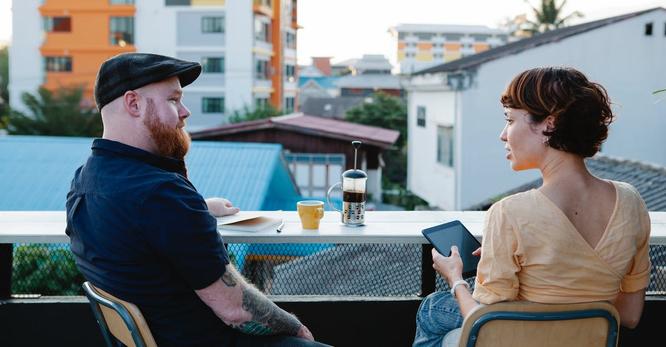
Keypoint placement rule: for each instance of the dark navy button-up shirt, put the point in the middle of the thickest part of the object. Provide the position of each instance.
(141, 231)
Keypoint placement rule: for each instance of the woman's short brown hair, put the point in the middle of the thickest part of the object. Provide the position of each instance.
(581, 108)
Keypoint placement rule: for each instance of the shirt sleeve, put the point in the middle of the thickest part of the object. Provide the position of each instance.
(638, 276)
(496, 274)
(177, 224)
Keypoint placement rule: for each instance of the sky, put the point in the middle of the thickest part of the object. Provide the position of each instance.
(344, 29)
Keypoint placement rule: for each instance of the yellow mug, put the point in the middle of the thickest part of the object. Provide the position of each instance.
(310, 211)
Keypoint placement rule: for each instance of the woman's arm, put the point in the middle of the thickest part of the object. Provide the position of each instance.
(450, 268)
(630, 307)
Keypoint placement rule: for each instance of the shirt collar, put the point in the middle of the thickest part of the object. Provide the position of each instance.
(121, 149)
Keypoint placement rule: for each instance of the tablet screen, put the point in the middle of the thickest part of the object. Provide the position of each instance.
(443, 236)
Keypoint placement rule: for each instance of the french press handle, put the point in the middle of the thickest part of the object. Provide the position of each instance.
(328, 196)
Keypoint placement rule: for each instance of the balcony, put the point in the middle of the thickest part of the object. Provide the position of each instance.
(373, 305)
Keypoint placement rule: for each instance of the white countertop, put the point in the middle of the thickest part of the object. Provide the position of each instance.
(381, 227)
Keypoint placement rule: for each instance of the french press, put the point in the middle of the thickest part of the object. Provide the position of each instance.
(353, 193)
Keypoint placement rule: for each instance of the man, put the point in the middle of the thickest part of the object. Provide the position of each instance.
(140, 230)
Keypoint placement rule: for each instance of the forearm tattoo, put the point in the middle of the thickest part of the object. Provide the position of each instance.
(267, 317)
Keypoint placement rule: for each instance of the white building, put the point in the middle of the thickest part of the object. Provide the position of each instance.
(455, 157)
(247, 48)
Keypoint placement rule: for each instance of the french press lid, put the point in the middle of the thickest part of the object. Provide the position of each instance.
(354, 174)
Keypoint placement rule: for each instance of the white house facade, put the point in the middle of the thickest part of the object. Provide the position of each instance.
(455, 156)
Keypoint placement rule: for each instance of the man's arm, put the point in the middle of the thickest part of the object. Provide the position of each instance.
(245, 308)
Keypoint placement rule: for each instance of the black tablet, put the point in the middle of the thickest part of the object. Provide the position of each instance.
(443, 236)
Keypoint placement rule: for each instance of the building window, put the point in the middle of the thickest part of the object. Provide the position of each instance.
(212, 64)
(262, 70)
(261, 102)
(212, 105)
(121, 2)
(122, 31)
(290, 73)
(421, 116)
(664, 28)
(58, 64)
(57, 24)
(445, 145)
(289, 103)
(648, 29)
(291, 40)
(262, 30)
(212, 24)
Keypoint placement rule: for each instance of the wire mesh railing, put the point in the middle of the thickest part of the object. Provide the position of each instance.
(281, 269)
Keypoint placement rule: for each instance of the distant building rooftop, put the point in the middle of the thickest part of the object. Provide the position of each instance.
(528, 43)
(649, 180)
(331, 107)
(370, 82)
(320, 126)
(447, 29)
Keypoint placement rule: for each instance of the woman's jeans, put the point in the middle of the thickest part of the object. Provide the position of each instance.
(438, 314)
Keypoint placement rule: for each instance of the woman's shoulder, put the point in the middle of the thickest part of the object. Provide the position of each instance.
(516, 202)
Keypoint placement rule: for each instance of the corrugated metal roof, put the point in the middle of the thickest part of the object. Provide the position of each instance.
(525, 44)
(370, 81)
(320, 126)
(36, 171)
(326, 82)
(649, 180)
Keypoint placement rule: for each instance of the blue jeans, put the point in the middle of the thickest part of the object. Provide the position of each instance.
(438, 314)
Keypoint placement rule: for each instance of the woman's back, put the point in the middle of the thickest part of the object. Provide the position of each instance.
(532, 249)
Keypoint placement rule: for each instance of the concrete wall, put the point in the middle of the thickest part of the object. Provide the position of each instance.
(190, 31)
(427, 178)
(26, 67)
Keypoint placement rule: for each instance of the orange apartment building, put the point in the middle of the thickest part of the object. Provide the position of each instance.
(247, 48)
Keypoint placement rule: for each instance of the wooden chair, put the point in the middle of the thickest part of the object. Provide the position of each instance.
(120, 321)
(522, 323)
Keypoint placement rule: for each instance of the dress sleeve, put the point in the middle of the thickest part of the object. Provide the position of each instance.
(178, 226)
(638, 276)
(496, 274)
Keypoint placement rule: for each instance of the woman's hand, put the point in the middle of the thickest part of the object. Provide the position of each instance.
(450, 268)
(220, 207)
(477, 253)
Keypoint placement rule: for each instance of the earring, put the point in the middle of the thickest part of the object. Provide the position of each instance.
(545, 140)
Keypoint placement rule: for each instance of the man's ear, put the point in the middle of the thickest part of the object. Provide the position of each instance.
(131, 103)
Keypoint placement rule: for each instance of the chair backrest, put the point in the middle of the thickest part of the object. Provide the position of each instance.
(522, 323)
(119, 320)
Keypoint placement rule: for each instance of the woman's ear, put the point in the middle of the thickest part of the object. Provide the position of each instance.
(131, 103)
(550, 123)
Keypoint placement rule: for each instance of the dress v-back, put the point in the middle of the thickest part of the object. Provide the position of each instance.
(531, 251)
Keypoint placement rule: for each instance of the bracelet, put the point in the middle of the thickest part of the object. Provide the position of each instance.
(456, 284)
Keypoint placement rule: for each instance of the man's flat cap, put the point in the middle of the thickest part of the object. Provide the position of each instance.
(130, 71)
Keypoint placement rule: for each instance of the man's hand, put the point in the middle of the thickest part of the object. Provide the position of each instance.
(220, 207)
(448, 267)
(305, 333)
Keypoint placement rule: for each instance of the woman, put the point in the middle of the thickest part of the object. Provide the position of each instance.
(577, 238)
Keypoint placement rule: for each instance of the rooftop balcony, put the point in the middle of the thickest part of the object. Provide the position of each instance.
(351, 286)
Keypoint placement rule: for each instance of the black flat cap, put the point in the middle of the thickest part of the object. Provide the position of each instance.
(129, 71)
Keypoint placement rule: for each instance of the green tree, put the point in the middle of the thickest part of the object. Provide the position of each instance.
(389, 112)
(549, 16)
(384, 111)
(248, 114)
(58, 114)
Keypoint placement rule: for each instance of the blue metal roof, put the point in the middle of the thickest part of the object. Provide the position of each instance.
(326, 82)
(36, 171)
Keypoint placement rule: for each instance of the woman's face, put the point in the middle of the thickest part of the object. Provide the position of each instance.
(524, 141)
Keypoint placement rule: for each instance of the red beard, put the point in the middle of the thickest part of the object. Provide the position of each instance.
(170, 142)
